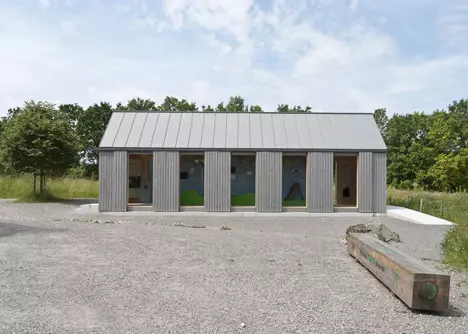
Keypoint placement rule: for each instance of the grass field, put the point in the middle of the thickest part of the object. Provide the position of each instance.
(61, 188)
(453, 207)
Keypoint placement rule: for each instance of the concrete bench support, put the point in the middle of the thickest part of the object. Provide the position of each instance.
(418, 285)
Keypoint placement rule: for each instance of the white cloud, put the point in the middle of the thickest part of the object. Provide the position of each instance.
(326, 55)
(44, 3)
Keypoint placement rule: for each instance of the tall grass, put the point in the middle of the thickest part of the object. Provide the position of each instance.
(21, 188)
(450, 206)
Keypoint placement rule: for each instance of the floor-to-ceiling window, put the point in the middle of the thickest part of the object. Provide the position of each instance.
(294, 180)
(345, 170)
(192, 176)
(242, 180)
(140, 178)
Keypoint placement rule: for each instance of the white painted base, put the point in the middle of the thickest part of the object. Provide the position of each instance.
(415, 216)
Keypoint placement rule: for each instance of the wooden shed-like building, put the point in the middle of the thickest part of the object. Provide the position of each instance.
(222, 162)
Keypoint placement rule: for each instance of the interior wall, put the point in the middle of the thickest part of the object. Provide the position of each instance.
(140, 180)
(346, 180)
(192, 176)
(294, 180)
(243, 180)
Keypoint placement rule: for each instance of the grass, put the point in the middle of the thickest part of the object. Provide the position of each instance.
(191, 198)
(21, 188)
(294, 202)
(449, 206)
(243, 200)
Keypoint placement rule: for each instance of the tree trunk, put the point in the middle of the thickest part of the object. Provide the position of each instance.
(35, 183)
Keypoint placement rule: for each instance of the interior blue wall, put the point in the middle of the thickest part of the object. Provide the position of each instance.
(243, 183)
(195, 179)
(289, 178)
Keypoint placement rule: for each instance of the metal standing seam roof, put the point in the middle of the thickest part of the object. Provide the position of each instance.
(242, 131)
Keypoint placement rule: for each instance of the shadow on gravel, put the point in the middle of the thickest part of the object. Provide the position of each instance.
(453, 312)
(7, 230)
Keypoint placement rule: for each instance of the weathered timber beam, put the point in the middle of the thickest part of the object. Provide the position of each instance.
(418, 285)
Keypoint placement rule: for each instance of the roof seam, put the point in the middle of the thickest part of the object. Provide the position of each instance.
(130, 130)
(141, 134)
(117, 132)
(154, 131)
(190, 131)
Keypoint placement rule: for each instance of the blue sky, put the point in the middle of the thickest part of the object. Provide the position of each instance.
(334, 55)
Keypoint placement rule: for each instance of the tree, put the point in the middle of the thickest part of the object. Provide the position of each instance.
(235, 104)
(296, 109)
(220, 107)
(90, 129)
(207, 108)
(72, 113)
(380, 117)
(138, 104)
(282, 108)
(39, 140)
(174, 104)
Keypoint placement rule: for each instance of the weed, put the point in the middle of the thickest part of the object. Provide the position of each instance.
(225, 228)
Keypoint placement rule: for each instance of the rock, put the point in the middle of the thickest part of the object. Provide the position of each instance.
(242, 325)
(377, 229)
(343, 241)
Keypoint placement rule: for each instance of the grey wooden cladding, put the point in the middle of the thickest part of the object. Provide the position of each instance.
(365, 184)
(268, 181)
(166, 181)
(320, 182)
(217, 181)
(418, 285)
(380, 182)
(113, 181)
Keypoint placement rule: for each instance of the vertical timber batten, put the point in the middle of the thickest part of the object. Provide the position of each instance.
(113, 178)
(268, 181)
(320, 182)
(106, 159)
(217, 181)
(166, 181)
(380, 182)
(365, 182)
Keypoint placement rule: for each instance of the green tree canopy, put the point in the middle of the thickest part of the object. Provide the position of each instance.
(39, 140)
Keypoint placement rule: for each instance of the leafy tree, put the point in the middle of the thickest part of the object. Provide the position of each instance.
(255, 108)
(174, 104)
(450, 171)
(220, 107)
(90, 129)
(236, 104)
(39, 140)
(297, 109)
(138, 104)
(72, 113)
(380, 116)
(207, 108)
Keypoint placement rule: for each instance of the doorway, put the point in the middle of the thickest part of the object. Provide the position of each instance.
(345, 175)
(140, 179)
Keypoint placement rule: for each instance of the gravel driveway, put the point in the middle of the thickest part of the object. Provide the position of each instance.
(145, 275)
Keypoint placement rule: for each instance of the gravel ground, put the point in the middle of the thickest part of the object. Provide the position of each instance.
(145, 275)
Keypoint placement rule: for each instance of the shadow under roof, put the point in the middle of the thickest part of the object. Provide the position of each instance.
(200, 131)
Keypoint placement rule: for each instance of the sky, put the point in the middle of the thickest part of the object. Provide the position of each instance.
(333, 55)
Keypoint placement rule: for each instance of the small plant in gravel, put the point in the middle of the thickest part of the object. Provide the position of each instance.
(225, 228)
(190, 226)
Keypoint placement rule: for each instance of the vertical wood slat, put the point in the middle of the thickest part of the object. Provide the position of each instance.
(320, 182)
(268, 181)
(217, 181)
(380, 182)
(365, 184)
(113, 186)
(166, 166)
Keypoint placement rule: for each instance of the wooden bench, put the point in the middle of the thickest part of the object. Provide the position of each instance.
(417, 284)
